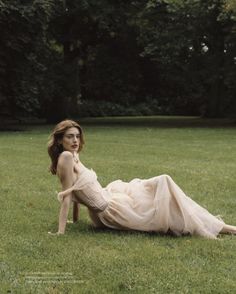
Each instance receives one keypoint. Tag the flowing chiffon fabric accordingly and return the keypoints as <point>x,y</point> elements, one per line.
<point>156,204</point>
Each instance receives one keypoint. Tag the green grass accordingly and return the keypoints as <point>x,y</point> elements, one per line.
<point>199,155</point>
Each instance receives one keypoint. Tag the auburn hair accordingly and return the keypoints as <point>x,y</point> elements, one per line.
<point>55,148</point>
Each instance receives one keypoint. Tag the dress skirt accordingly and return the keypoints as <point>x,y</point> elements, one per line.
<point>158,205</point>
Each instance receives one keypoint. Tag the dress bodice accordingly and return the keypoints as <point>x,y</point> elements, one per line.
<point>88,190</point>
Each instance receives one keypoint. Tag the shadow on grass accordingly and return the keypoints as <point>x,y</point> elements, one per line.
<point>84,228</point>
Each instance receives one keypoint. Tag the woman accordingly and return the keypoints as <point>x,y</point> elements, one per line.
<point>156,204</point>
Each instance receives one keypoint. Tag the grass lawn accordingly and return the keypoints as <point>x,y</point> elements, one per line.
<point>199,155</point>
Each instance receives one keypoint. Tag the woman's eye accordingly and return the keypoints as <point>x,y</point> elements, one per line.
<point>72,136</point>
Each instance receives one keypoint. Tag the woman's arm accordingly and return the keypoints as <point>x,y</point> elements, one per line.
<point>65,171</point>
<point>65,206</point>
<point>76,208</point>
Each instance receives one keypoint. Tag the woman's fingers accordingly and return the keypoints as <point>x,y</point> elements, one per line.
<point>54,234</point>
<point>69,222</point>
<point>60,197</point>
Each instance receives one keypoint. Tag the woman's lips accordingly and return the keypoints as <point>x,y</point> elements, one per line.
<point>74,146</point>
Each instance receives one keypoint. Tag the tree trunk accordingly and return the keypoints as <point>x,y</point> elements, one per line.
<point>216,90</point>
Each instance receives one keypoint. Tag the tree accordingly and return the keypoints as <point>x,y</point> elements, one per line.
<point>177,54</point>
<point>193,41</point>
<point>24,54</point>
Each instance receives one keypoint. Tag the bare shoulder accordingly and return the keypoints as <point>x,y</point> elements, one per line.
<point>65,155</point>
<point>65,158</point>
<point>65,164</point>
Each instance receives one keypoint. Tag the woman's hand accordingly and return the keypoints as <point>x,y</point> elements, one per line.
<point>60,197</point>
<point>69,222</point>
<point>55,234</point>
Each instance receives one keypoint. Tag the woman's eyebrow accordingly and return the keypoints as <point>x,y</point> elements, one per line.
<point>72,134</point>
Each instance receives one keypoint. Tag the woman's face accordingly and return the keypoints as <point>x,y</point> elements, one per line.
<point>71,139</point>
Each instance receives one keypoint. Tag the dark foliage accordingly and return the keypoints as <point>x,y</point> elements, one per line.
<point>76,58</point>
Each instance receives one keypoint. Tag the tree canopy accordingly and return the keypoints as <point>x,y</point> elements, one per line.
<point>98,57</point>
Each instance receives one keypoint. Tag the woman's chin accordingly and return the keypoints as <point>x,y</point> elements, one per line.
<point>74,150</point>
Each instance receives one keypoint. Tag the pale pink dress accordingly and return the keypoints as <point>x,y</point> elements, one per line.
<point>156,205</point>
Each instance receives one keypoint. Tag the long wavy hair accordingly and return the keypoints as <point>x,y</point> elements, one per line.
<point>55,148</point>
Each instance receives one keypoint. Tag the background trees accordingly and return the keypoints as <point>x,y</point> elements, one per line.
<point>68,58</point>
<point>24,53</point>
